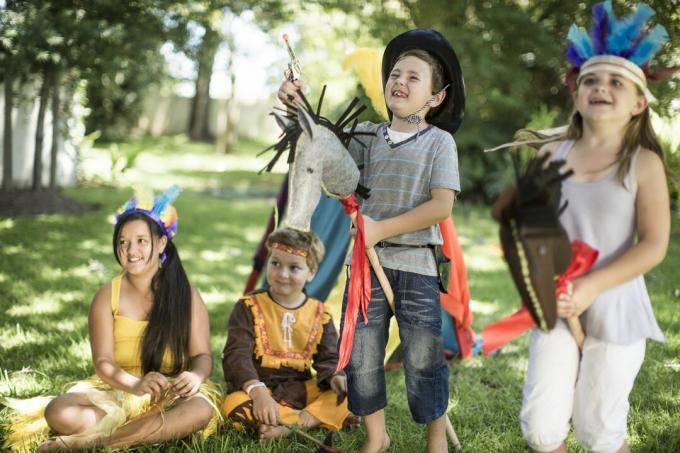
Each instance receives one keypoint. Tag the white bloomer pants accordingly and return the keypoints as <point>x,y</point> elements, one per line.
<point>593,392</point>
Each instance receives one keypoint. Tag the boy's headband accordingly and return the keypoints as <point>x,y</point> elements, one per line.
<point>294,251</point>
<point>157,209</point>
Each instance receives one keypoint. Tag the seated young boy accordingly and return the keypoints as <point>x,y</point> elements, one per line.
<point>275,336</point>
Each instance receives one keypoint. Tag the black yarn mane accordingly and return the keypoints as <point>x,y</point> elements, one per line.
<point>290,135</point>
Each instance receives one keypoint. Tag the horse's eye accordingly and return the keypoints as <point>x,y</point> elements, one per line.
<point>310,170</point>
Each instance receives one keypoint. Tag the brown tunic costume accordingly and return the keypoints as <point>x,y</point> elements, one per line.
<point>279,346</point>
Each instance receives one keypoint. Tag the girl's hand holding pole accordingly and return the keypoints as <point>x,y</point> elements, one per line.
<point>186,383</point>
<point>152,383</point>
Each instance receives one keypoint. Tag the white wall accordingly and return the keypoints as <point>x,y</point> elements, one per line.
<point>165,114</point>
<point>24,120</point>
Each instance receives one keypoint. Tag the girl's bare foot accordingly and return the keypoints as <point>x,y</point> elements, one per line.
<point>269,432</point>
<point>64,443</point>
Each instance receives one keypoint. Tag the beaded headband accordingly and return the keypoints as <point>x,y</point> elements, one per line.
<point>293,251</point>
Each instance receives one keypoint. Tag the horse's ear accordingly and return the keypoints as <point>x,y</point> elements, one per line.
<point>306,121</point>
<point>282,121</point>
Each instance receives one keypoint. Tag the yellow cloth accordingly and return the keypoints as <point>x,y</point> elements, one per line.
<point>127,336</point>
<point>319,404</point>
<point>278,345</point>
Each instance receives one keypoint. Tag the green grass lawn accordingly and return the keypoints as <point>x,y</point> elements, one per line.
<point>51,266</point>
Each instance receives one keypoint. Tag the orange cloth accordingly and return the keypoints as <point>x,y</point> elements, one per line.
<point>319,404</point>
<point>457,301</point>
<point>278,345</point>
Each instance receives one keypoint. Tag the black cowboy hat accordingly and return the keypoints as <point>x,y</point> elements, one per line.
<point>535,245</point>
<point>449,114</point>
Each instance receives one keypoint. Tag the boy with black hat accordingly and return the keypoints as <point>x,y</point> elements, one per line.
<point>411,166</point>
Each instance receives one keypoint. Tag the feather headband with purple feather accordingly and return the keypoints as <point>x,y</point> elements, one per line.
<point>623,46</point>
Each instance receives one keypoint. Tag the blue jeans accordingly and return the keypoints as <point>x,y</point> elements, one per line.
<point>416,301</point>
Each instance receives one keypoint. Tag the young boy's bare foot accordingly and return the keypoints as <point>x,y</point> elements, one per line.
<point>351,422</point>
<point>376,445</point>
<point>307,420</point>
<point>269,432</point>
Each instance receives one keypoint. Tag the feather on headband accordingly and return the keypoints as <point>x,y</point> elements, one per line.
<point>160,209</point>
<point>626,45</point>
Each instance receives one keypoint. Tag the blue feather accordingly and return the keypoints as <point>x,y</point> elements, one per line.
<point>165,199</point>
<point>581,42</point>
<point>625,32</point>
<point>649,45</point>
<point>598,32</point>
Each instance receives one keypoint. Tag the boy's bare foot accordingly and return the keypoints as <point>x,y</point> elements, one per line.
<point>377,445</point>
<point>438,445</point>
<point>351,422</point>
<point>269,432</point>
<point>307,420</point>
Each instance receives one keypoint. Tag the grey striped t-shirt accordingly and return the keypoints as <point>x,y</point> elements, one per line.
<point>401,177</point>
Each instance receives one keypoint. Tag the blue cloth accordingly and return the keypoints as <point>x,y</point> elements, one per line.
<point>331,224</point>
<point>416,301</point>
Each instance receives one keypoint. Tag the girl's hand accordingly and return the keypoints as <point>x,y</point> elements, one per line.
<point>288,92</point>
<point>579,296</point>
<point>186,383</point>
<point>265,408</point>
<point>152,383</point>
<point>339,386</point>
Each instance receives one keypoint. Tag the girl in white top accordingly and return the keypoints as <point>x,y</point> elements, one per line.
<point>618,204</point>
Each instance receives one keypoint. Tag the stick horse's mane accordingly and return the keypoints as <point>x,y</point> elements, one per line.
<point>289,137</point>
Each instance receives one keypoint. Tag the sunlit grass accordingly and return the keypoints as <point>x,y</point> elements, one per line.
<point>51,266</point>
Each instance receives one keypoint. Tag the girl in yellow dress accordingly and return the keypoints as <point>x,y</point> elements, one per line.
<point>150,342</point>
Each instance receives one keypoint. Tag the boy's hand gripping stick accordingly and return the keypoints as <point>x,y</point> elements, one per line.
<point>379,272</point>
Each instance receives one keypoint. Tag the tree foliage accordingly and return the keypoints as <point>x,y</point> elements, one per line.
<point>512,55</point>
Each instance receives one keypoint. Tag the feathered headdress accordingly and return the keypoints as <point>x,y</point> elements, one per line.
<point>159,209</point>
<point>623,46</point>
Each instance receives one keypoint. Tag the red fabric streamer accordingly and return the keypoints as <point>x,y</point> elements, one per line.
<point>583,257</point>
<point>500,333</point>
<point>359,291</point>
<point>457,301</point>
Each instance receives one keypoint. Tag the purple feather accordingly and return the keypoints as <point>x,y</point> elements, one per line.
<point>598,32</point>
<point>574,57</point>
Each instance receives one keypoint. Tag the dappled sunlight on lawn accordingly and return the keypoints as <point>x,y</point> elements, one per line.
<point>484,308</point>
<point>6,224</point>
<point>12,337</point>
<point>219,255</point>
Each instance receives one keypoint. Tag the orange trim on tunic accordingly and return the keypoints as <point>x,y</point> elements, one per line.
<point>270,344</point>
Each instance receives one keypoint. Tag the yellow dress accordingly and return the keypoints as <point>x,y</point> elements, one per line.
<point>26,425</point>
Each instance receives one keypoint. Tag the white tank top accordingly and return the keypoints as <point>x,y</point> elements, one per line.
<point>602,214</point>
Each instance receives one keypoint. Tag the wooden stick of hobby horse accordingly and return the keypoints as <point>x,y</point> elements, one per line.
<point>379,272</point>
<point>451,434</point>
<point>576,331</point>
<point>295,428</point>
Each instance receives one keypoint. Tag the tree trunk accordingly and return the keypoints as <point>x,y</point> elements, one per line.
<point>55,129</point>
<point>7,146</point>
<point>227,117</point>
<point>39,130</point>
<point>198,120</point>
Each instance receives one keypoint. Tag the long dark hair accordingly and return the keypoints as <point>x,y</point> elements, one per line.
<point>170,318</point>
